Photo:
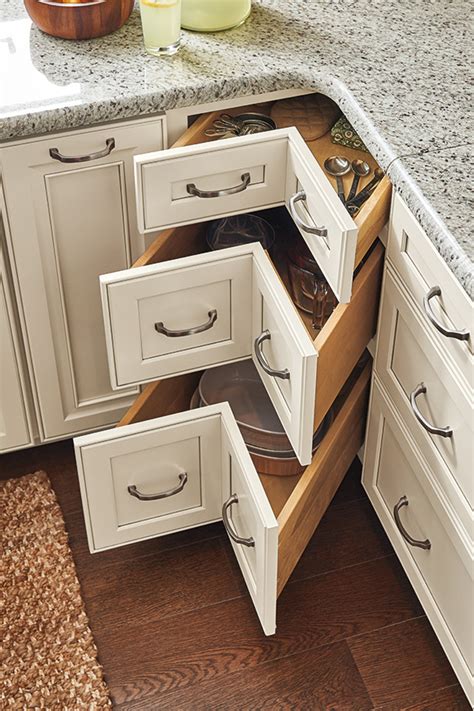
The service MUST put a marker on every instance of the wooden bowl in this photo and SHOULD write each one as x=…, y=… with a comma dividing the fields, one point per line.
x=79, y=19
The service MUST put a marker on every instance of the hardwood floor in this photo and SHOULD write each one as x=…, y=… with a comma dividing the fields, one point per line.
x=176, y=630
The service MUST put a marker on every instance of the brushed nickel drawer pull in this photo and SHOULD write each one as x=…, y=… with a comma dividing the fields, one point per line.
x=161, y=328
x=133, y=491
x=461, y=335
x=249, y=542
x=426, y=545
x=266, y=336
x=193, y=190
x=301, y=197
x=441, y=431
x=109, y=147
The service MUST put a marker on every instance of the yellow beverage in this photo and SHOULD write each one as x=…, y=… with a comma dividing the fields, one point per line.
x=214, y=15
x=161, y=22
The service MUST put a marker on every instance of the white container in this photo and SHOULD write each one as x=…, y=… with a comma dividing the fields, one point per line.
x=214, y=15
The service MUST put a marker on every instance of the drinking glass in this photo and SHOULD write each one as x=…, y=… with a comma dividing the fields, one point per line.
x=161, y=22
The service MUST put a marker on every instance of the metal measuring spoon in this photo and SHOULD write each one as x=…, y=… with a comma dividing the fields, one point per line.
x=354, y=205
x=361, y=169
x=337, y=166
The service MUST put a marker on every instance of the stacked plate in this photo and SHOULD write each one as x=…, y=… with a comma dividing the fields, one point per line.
x=240, y=385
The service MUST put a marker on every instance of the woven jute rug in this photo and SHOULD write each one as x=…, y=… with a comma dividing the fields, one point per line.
x=48, y=656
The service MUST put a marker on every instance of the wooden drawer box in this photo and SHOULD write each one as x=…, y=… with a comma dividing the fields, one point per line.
x=279, y=514
x=435, y=552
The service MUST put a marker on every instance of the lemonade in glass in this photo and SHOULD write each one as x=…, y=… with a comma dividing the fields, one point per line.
x=161, y=22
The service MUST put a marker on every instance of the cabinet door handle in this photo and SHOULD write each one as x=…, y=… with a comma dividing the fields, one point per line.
x=301, y=197
x=133, y=491
x=460, y=335
x=266, y=336
x=426, y=545
x=109, y=147
x=161, y=328
x=441, y=431
x=249, y=542
x=193, y=190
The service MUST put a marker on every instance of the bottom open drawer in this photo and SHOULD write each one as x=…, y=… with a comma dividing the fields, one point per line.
x=168, y=469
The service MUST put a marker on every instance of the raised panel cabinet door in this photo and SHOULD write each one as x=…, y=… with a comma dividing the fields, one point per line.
x=14, y=425
x=434, y=550
x=71, y=212
x=176, y=472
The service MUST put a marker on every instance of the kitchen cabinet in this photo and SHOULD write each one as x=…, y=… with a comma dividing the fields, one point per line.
x=71, y=210
x=168, y=467
x=419, y=452
x=15, y=428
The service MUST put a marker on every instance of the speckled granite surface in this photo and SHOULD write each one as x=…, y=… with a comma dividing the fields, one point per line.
x=444, y=179
x=397, y=68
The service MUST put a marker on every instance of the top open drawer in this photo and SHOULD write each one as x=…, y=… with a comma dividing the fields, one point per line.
x=202, y=181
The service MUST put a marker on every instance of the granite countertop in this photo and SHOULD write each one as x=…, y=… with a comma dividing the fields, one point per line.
x=397, y=68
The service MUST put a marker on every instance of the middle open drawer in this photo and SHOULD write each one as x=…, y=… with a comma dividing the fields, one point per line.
x=182, y=315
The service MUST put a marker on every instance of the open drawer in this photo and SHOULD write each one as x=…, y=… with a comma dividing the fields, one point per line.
x=198, y=180
x=184, y=314
x=166, y=470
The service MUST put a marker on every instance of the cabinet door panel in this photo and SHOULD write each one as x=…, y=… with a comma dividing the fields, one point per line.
x=70, y=223
x=14, y=427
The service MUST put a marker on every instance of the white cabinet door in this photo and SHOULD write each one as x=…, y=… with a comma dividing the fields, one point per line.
x=206, y=310
x=226, y=177
x=435, y=551
x=177, y=472
x=14, y=424
x=72, y=216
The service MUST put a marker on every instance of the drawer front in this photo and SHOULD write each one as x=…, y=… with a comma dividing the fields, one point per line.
x=120, y=469
x=204, y=181
x=225, y=301
x=177, y=316
x=422, y=269
x=176, y=472
x=423, y=386
x=436, y=558
x=212, y=180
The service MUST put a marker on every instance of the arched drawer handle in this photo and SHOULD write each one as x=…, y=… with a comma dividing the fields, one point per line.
x=461, y=335
x=109, y=147
x=133, y=491
x=441, y=431
x=266, y=336
x=197, y=192
x=426, y=545
x=249, y=542
x=161, y=328
x=301, y=197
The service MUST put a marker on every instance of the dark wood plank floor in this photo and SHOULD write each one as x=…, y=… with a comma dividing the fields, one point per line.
x=175, y=628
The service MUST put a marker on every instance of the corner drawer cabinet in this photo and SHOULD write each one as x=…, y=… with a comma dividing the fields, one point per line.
x=181, y=309
x=418, y=469
x=71, y=211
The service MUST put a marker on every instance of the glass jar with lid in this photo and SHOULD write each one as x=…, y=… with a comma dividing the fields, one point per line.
x=214, y=15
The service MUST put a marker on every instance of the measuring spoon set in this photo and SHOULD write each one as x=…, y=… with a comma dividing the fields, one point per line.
x=338, y=166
